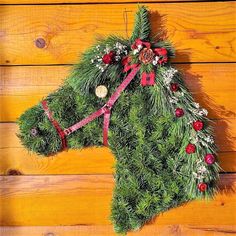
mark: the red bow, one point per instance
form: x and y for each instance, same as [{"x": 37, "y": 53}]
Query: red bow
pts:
[
  {"x": 146, "y": 78},
  {"x": 140, "y": 42}
]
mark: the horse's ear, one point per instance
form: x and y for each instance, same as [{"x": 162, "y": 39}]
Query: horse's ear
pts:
[{"x": 142, "y": 25}]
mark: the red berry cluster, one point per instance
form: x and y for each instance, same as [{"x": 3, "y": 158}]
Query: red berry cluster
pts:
[
  {"x": 191, "y": 148},
  {"x": 109, "y": 57}
]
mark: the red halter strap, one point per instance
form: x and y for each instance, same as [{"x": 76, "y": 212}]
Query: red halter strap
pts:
[
  {"x": 106, "y": 110},
  {"x": 55, "y": 124}
]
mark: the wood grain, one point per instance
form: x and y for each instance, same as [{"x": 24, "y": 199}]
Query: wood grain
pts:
[
  {"x": 213, "y": 85},
  {"x": 72, "y": 200},
  {"x": 13, "y": 156},
  {"x": 107, "y": 230},
  {"x": 86, "y": 1},
  {"x": 206, "y": 35}
]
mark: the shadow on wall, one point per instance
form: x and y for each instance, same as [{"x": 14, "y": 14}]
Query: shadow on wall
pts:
[{"x": 220, "y": 117}]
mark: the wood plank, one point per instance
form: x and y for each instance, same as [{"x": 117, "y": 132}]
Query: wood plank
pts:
[
  {"x": 18, "y": 2},
  {"x": 212, "y": 39},
  {"x": 107, "y": 230},
  {"x": 72, "y": 200},
  {"x": 24, "y": 86},
  {"x": 225, "y": 135},
  {"x": 18, "y": 161},
  {"x": 86, "y": 161},
  {"x": 14, "y": 159}
]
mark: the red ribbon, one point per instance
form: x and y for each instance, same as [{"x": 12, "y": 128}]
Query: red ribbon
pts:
[
  {"x": 148, "y": 78},
  {"x": 105, "y": 110},
  {"x": 140, "y": 42},
  {"x": 55, "y": 124}
]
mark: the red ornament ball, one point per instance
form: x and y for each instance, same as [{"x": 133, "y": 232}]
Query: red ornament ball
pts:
[
  {"x": 202, "y": 187},
  {"x": 198, "y": 125},
  {"x": 174, "y": 87},
  {"x": 108, "y": 58},
  {"x": 209, "y": 159},
  {"x": 190, "y": 148},
  {"x": 179, "y": 112}
]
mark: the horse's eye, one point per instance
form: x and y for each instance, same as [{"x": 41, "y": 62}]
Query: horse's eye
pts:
[
  {"x": 34, "y": 132},
  {"x": 101, "y": 91}
]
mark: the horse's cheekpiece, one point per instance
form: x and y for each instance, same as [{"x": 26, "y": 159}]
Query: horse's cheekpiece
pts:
[{"x": 163, "y": 145}]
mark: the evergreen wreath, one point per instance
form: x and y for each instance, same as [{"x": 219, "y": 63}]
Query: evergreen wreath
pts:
[{"x": 161, "y": 139}]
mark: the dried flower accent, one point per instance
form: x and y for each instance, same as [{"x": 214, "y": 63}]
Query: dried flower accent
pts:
[{"x": 146, "y": 56}]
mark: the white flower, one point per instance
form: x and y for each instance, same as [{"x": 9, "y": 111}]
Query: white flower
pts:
[
  {"x": 107, "y": 49},
  {"x": 117, "y": 58},
  {"x": 118, "y": 45},
  {"x": 167, "y": 80},
  {"x": 202, "y": 169},
  {"x": 135, "y": 51},
  {"x": 203, "y": 143},
  {"x": 155, "y": 61},
  {"x": 179, "y": 94},
  {"x": 209, "y": 139},
  {"x": 92, "y": 60},
  {"x": 196, "y": 105},
  {"x": 168, "y": 75},
  {"x": 140, "y": 47},
  {"x": 205, "y": 112},
  {"x": 200, "y": 113},
  {"x": 195, "y": 175},
  {"x": 173, "y": 100},
  {"x": 194, "y": 140}
]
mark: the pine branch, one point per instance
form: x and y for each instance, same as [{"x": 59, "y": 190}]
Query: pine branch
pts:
[{"x": 142, "y": 25}]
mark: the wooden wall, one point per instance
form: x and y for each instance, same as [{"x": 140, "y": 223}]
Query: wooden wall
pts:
[{"x": 70, "y": 194}]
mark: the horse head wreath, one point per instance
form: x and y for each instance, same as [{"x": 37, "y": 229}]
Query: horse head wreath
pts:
[{"x": 161, "y": 139}]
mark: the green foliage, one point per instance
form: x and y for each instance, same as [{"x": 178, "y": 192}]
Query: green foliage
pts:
[
  {"x": 153, "y": 171},
  {"x": 142, "y": 27}
]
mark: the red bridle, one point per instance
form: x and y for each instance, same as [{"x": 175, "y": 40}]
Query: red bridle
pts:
[{"x": 105, "y": 110}]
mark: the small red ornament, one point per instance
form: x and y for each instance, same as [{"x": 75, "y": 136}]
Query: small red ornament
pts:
[
  {"x": 198, "y": 125},
  {"x": 108, "y": 58},
  {"x": 179, "y": 112},
  {"x": 190, "y": 148},
  {"x": 174, "y": 87},
  {"x": 202, "y": 187},
  {"x": 209, "y": 159}
]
